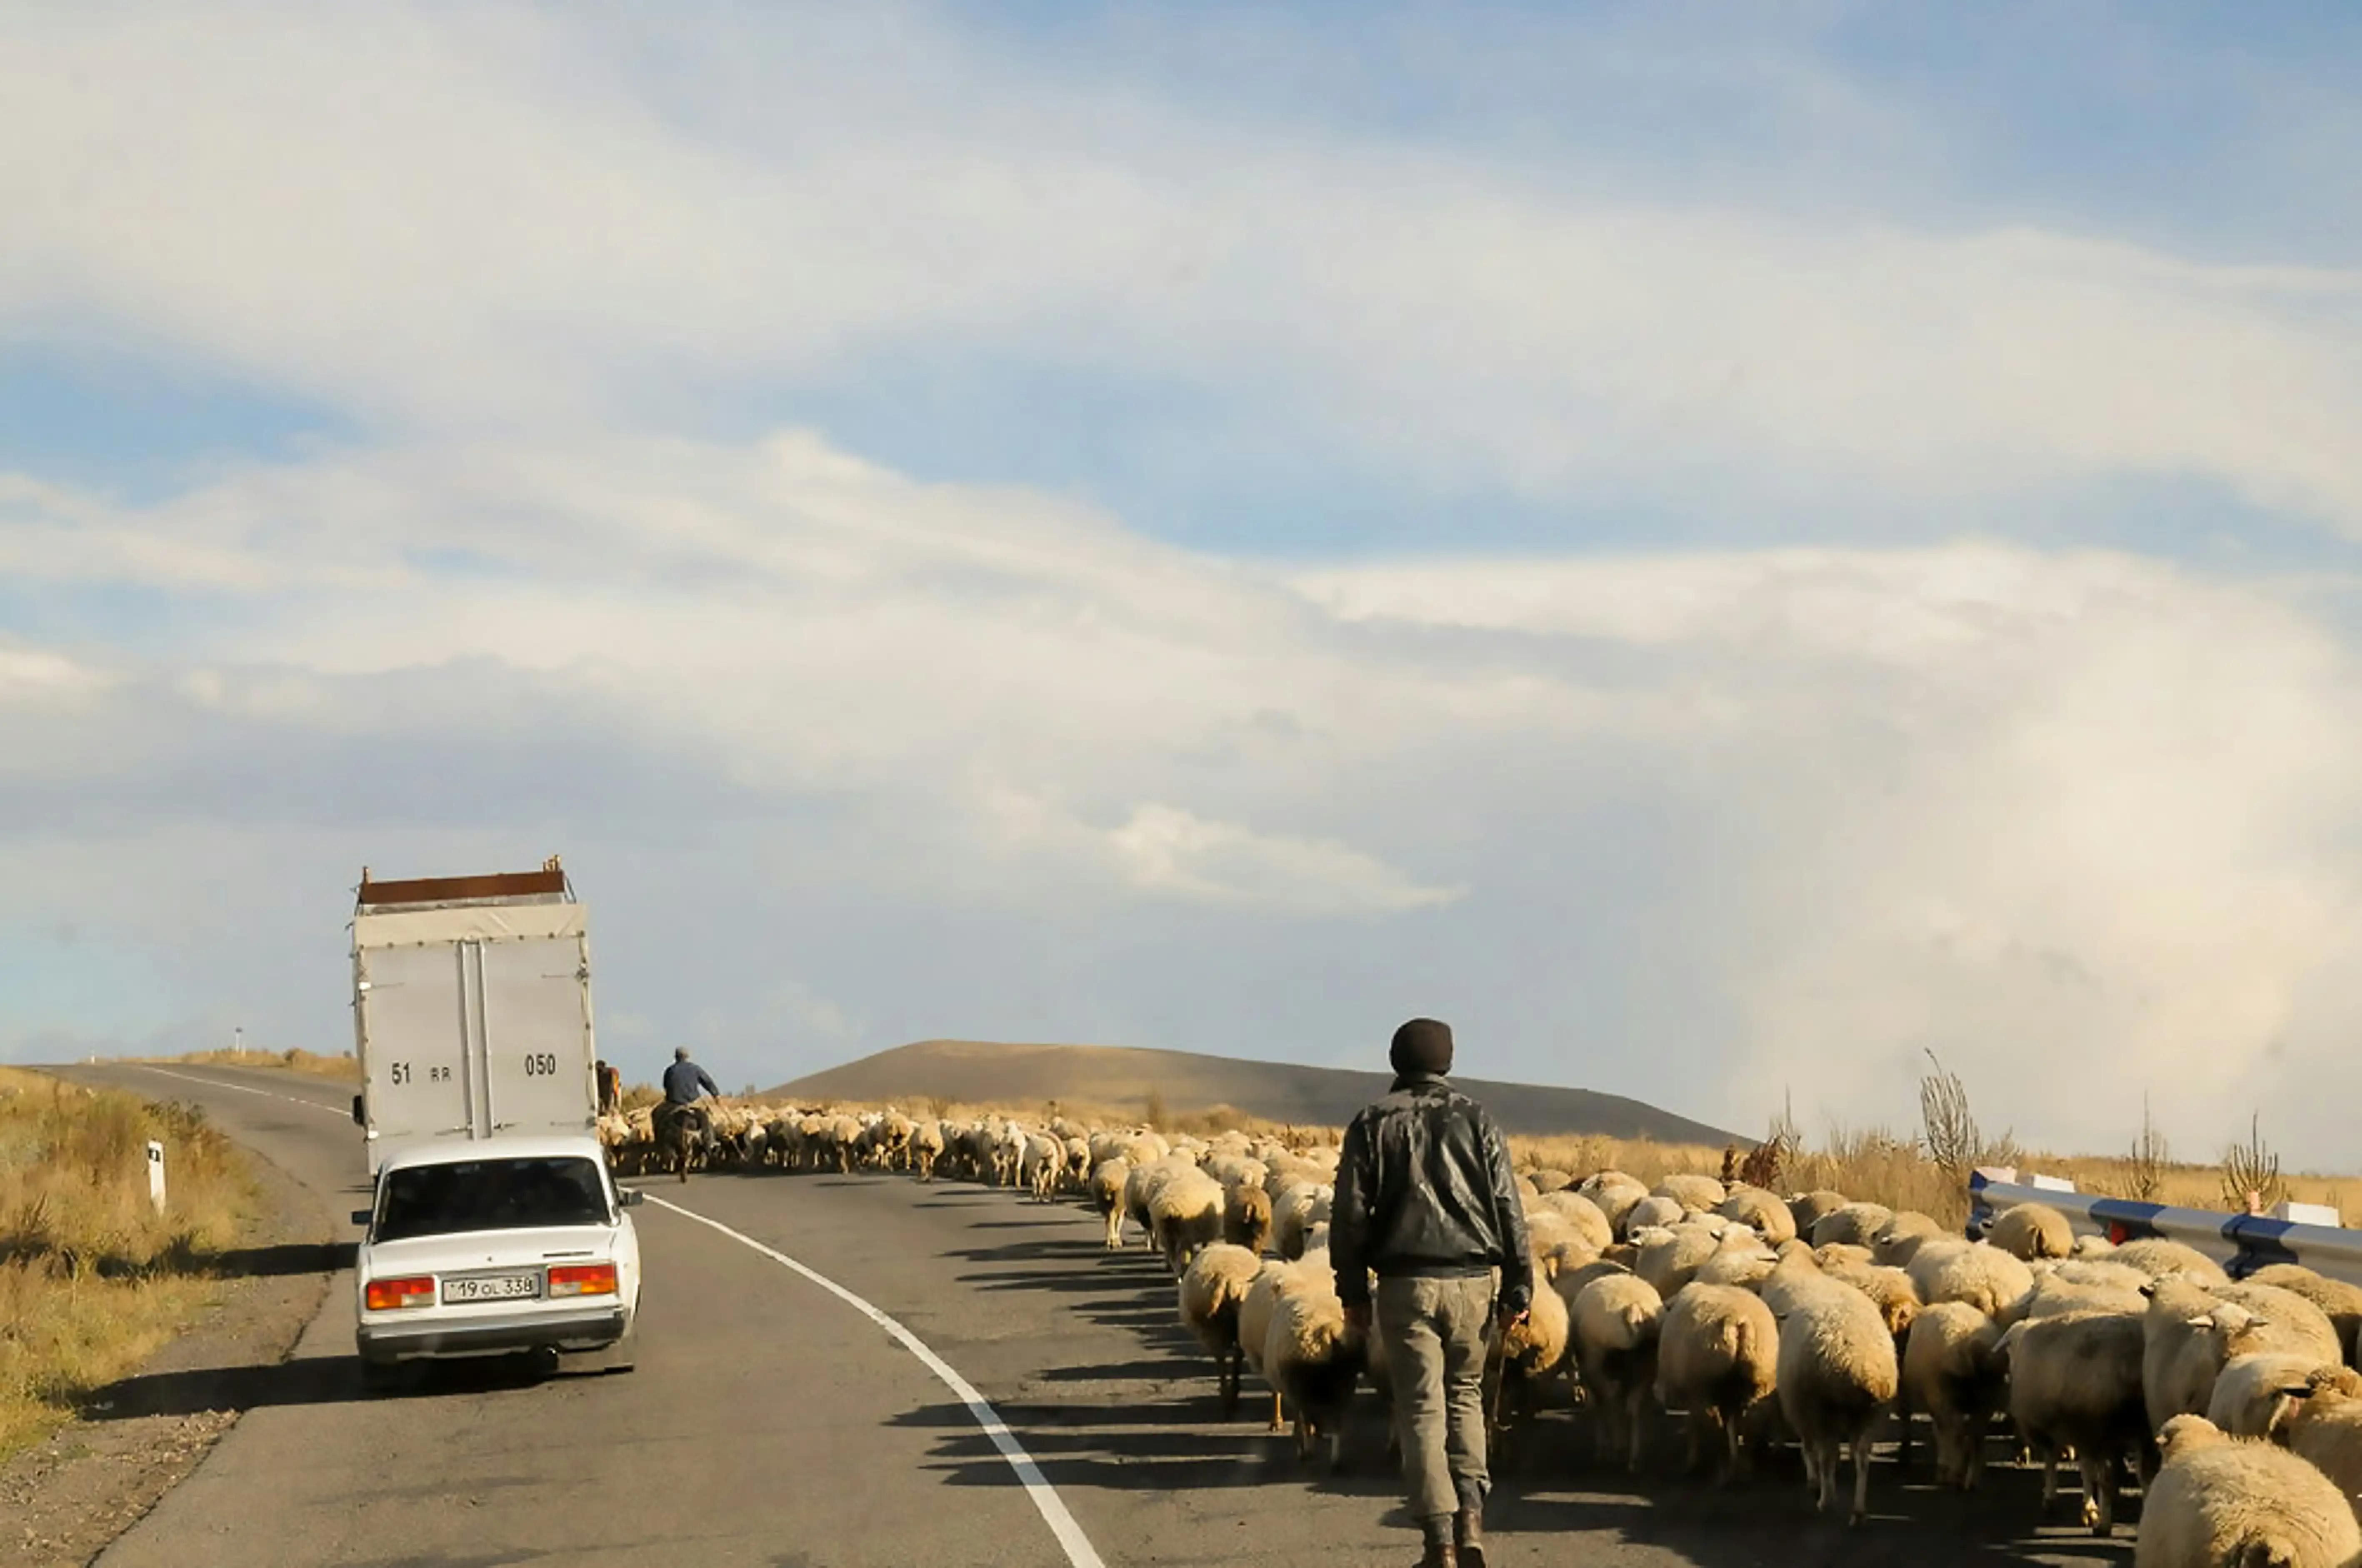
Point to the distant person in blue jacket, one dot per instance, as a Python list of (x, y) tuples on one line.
[(684, 1081)]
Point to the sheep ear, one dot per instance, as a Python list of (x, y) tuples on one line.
[(2206, 1321)]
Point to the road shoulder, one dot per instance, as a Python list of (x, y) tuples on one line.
[(63, 1501)]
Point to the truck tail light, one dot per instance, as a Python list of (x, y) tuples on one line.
[(386, 1295), (582, 1279)]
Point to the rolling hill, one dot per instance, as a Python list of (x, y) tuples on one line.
[(980, 1071)]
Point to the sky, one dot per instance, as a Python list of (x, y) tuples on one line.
[(1719, 550)]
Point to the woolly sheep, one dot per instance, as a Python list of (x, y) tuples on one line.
[(1718, 1349), (1292, 1224), (2326, 1428), (1900, 1239), (2075, 1381), (1038, 1165), (2030, 1230), (1698, 1193), (926, 1148), (2059, 1292), (1212, 1289), (2220, 1502), (1836, 1373), (1854, 1225), (1141, 1186), (1560, 1256), (1743, 1266), (1616, 1318), (2339, 1301), (1806, 1209), (1549, 1228), (1255, 1313), (1547, 1181), (1616, 1192), (2156, 1257), (1587, 1218), (2188, 1337), (1312, 1357), (1794, 1274), (2256, 1393), (2286, 1320), (1109, 1178), (1246, 1218), (1670, 1257), (1760, 1212), (1184, 1214), (1982, 1276), (1531, 1354), (1655, 1211), (1953, 1370)]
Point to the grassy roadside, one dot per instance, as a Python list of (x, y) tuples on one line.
[(93, 1281), (295, 1059)]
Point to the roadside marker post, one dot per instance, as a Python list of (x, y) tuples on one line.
[(156, 1175)]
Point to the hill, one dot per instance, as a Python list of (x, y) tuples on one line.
[(979, 1072)]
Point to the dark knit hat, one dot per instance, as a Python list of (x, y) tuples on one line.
[(1423, 1045)]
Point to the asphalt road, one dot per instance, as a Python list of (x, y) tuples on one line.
[(771, 1422)]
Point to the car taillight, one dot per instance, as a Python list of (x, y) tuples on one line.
[(582, 1279), (385, 1295)]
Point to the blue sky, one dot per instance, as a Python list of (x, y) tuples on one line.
[(1717, 549)]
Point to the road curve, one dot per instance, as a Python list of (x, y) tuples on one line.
[(771, 1422)]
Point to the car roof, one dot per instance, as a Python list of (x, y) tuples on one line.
[(544, 1146)]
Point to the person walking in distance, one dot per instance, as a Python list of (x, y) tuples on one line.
[(1426, 1200)]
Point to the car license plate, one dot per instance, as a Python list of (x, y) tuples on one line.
[(492, 1287)]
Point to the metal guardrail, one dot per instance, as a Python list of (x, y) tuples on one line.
[(2242, 1243)]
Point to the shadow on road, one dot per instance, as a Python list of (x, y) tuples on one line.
[(307, 1380), (292, 1257)]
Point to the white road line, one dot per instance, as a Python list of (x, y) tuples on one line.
[(244, 1088), (1079, 1552)]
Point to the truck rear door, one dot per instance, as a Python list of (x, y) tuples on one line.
[(536, 1034), (413, 1012)]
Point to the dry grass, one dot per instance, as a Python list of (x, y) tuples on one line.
[(295, 1059), (92, 1279)]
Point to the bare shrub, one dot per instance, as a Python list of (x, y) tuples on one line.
[(2251, 1173)]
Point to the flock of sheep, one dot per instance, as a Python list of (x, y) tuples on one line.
[(1763, 1321)]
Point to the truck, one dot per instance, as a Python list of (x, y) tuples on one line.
[(472, 1009)]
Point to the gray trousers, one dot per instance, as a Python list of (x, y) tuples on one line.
[(1433, 1333)]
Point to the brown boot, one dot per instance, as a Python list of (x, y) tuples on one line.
[(1468, 1534), (1440, 1554)]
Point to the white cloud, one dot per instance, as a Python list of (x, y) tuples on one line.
[(506, 218), (1696, 828)]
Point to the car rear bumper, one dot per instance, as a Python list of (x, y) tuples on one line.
[(591, 1329)]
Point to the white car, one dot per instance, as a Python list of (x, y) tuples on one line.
[(495, 1246)]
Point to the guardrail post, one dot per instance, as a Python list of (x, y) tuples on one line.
[(156, 1175)]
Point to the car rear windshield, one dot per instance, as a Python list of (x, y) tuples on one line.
[(491, 1195)]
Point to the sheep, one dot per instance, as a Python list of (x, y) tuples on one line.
[(1212, 1289), (2326, 1428), (1900, 1239), (1853, 1225), (1615, 1192), (2156, 1257), (1616, 1318), (1655, 1211), (2339, 1301), (1698, 1193), (2030, 1230), (1981, 1275), (1246, 1218), (1669, 1258), (1312, 1357), (1588, 1221), (2255, 1393), (1836, 1374), (1529, 1354), (1292, 1224), (2075, 1381), (2188, 1336), (1255, 1313), (1953, 1369), (1109, 1180), (2059, 1291), (2221, 1502), (1743, 1266), (1718, 1347), (926, 1148), (1039, 1162), (1141, 1186), (2286, 1320), (1806, 1209), (1184, 1214), (1547, 1181), (1760, 1212)]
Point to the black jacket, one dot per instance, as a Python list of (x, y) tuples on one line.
[(1424, 1187)]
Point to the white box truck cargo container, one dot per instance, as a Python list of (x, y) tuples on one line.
[(472, 1009)]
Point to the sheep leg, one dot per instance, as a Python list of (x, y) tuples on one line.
[(1229, 1380), (1903, 1424), (1972, 1460), (2099, 1473), (1634, 1405), (1862, 1450), (1278, 1415), (1735, 1458), (2049, 1457)]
